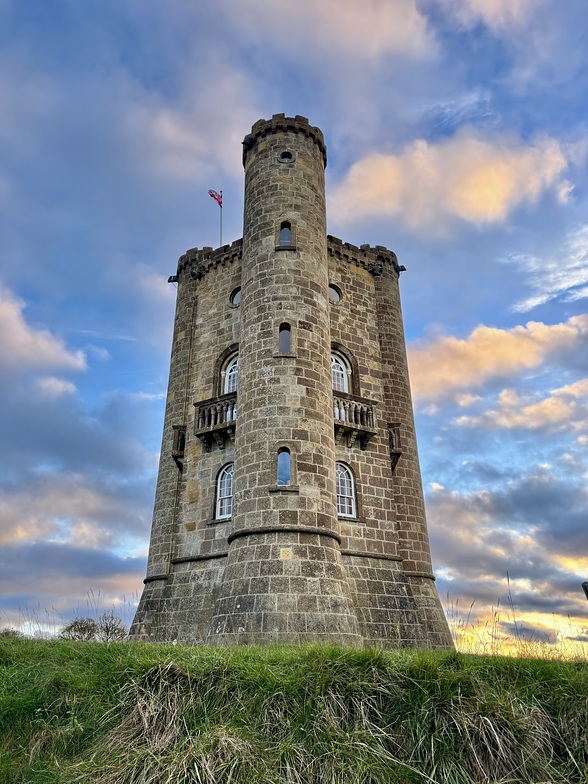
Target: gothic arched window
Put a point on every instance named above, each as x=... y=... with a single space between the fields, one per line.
x=345 y=491
x=230 y=373
x=224 y=492
x=341 y=373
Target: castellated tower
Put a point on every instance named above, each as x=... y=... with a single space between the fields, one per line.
x=289 y=504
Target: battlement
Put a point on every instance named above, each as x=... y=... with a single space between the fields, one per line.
x=370 y=258
x=281 y=123
x=200 y=261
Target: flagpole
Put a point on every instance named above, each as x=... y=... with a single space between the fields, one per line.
x=221 y=219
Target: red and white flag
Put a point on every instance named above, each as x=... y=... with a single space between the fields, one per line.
x=217 y=197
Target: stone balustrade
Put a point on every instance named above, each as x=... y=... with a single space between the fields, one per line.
x=353 y=416
x=216 y=419
x=354 y=419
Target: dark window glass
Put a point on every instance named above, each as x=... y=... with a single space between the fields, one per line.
x=236 y=297
x=334 y=295
x=286 y=233
x=285 y=339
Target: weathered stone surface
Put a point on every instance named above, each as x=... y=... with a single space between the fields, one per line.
x=284 y=566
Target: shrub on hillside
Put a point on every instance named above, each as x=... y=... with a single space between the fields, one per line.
x=108 y=628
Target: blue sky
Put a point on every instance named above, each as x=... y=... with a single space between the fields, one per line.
x=457 y=136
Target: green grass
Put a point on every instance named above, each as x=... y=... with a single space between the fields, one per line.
x=123 y=713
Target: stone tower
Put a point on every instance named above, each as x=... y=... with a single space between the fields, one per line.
x=289 y=504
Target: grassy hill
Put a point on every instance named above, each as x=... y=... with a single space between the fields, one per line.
x=124 y=713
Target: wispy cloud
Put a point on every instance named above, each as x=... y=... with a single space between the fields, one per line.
x=564 y=276
x=499 y=16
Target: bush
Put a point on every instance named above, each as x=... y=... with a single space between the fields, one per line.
x=84 y=629
x=108 y=628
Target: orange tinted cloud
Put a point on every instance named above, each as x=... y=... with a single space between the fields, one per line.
x=465 y=177
x=446 y=364
x=558 y=408
x=367 y=30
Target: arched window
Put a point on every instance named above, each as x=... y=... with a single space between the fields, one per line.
x=285 y=339
x=345 y=491
x=284 y=466
x=230 y=375
x=341 y=373
x=285 y=233
x=224 y=492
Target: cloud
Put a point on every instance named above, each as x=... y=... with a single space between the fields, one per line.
x=23 y=346
x=559 y=408
x=465 y=177
x=564 y=276
x=55 y=386
x=466 y=399
x=517 y=412
x=500 y=16
x=199 y=134
x=480 y=536
x=447 y=363
x=80 y=510
x=367 y=30
x=44 y=584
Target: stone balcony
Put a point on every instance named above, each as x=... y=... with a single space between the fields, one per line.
x=354 y=419
x=353 y=416
x=216 y=420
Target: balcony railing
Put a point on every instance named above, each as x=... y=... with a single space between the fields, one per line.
x=216 y=420
x=354 y=419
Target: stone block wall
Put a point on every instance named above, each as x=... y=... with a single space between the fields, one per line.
x=285 y=567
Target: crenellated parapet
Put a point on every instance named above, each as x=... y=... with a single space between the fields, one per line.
x=197 y=262
x=370 y=258
x=279 y=123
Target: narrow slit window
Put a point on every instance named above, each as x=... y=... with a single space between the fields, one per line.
x=181 y=442
x=284 y=466
x=285 y=339
x=286 y=233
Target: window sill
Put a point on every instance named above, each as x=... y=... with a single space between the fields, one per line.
x=285 y=247
x=287 y=354
x=283 y=489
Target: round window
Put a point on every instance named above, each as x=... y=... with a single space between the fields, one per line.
x=334 y=294
x=285 y=156
x=235 y=297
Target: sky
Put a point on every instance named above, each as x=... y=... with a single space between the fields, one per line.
x=457 y=136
